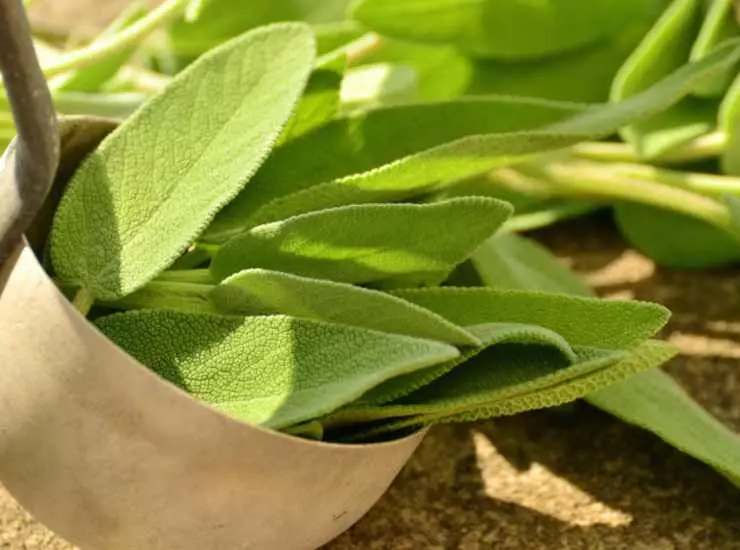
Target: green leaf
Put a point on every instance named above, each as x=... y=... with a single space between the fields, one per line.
x=358 y=143
x=320 y=101
x=719 y=24
x=490 y=334
x=345 y=162
x=676 y=240
x=593 y=374
x=613 y=324
x=665 y=48
x=502 y=29
x=261 y=292
x=221 y=20
x=442 y=71
x=511 y=261
x=152 y=186
x=368 y=243
x=272 y=371
x=93 y=77
x=655 y=402
x=510 y=379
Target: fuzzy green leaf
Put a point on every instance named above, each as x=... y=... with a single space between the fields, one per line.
x=368 y=243
x=729 y=124
x=612 y=324
x=502 y=29
x=320 y=101
x=511 y=261
x=665 y=48
x=153 y=185
x=655 y=402
x=261 y=292
x=359 y=143
x=490 y=334
x=273 y=371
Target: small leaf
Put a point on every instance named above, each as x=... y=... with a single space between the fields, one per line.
x=613 y=324
x=261 y=292
x=557 y=390
x=368 y=243
x=502 y=29
x=676 y=240
x=511 y=261
x=496 y=375
x=153 y=185
x=490 y=334
x=320 y=101
x=272 y=371
x=665 y=48
x=655 y=402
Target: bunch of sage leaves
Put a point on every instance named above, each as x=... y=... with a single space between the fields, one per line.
x=438 y=61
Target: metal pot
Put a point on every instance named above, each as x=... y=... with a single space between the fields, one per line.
x=99 y=448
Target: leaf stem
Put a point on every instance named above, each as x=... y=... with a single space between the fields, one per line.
x=701 y=148
x=590 y=181
x=108 y=45
x=545 y=217
x=83 y=301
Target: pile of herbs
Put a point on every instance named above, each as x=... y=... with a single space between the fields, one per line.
x=314 y=228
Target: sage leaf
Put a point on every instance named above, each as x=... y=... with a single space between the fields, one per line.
x=719 y=24
x=593 y=374
x=502 y=29
x=613 y=324
x=380 y=84
x=520 y=131
x=490 y=334
x=665 y=48
x=273 y=371
x=512 y=261
x=320 y=101
x=676 y=240
x=360 y=143
x=262 y=292
x=654 y=401
x=152 y=186
x=412 y=243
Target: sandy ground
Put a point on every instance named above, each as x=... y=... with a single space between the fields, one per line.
x=551 y=480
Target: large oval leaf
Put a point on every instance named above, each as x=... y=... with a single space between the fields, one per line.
x=138 y=201
x=274 y=371
x=368 y=243
x=260 y=292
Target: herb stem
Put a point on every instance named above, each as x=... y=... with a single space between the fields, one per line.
x=701 y=148
x=549 y=216
x=108 y=45
x=83 y=301
x=707 y=184
x=359 y=49
x=590 y=181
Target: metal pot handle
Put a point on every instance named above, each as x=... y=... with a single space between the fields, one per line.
x=28 y=168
